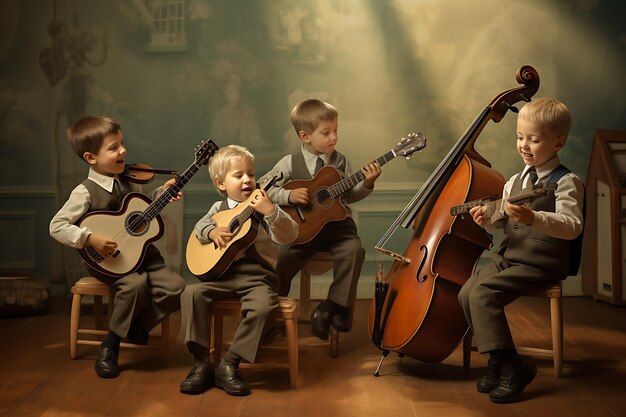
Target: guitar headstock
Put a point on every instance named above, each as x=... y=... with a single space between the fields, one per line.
x=407 y=146
x=205 y=151
x=270 y=179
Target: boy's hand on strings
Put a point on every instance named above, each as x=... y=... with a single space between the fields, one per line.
x=371 y=172
x=221 y=236
x=479 y=215
x=299 y=196
x=101 y=244
x=521 y=214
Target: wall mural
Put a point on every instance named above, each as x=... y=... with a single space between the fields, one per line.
x=176 y=71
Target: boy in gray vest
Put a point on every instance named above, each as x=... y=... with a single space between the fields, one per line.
x=143 y=297
x=316 y=125
x=250 y=277
x=541 y=245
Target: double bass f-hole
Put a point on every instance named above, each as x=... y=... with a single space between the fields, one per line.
x=419 y=279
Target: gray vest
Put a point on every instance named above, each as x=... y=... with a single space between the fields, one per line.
x=101 y=199
x=299 y=171
x=524 y=245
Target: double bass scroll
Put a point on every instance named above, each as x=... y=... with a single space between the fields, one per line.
x=419 y=314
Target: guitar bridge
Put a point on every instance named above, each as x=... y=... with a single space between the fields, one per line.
x=94 y=255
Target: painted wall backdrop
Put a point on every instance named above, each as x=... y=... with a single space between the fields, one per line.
x=175 y=72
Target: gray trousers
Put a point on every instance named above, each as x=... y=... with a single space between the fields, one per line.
x=342 y=241
x=245 y=280
x=484 y=296
x=145 y=297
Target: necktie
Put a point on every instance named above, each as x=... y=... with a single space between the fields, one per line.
x=318 y=165
x=532 y=175
x=117 y=190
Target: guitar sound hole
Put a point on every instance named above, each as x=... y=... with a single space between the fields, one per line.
x=322 y=197
x=136 y=225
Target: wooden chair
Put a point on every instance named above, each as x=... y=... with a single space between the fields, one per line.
x=287 y=311
x=552 y=291
x=319 y=263
x=91 y=286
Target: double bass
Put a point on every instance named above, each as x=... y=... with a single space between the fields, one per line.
x=415 y=310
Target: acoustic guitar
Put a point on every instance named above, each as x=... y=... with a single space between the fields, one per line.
x=326 y=188
x=136 y=224
x=208 y=261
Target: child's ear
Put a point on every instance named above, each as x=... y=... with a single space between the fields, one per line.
x=304 y=136
x=89 y=158
x=220 y=184
x=560 y=142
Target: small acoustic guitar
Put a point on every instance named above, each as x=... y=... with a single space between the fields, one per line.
x=326 y=189
x=208 y=261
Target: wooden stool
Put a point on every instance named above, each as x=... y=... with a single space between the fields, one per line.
x=97 y=289
x=553 y=291
x=287 y=311
x=319 y=263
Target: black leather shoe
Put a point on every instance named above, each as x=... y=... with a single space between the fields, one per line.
x=491 y=377
x=199 y=379
x=106 y=363
x=320 y=323
x=512 y=382
x=228 y=378
x=342 y=319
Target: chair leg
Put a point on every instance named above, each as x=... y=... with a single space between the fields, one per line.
x=218 y=326
x=556 y=317
x=74 y=322
x=165 y=339
x=304 y=303
x=292 y=350
x=467 y=350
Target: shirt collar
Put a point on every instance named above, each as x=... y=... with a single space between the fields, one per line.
x=311 y=158
x=103 y=181
x=545 y=169
x=231 y=203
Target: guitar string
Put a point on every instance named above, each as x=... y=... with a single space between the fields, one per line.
x=347 y=183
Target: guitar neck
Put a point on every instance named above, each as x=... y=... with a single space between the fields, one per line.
x=347 y=183
x=464 y=208
x=518 y=199
x=160 y=202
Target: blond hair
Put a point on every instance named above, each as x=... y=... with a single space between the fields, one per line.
x=548 y=112
x=307 y=115
x=220 y=162
x=87 y=134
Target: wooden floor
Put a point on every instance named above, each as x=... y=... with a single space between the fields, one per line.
x=38 y=378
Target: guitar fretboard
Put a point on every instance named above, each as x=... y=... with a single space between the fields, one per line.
x=160 y=202
x=347 y=183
